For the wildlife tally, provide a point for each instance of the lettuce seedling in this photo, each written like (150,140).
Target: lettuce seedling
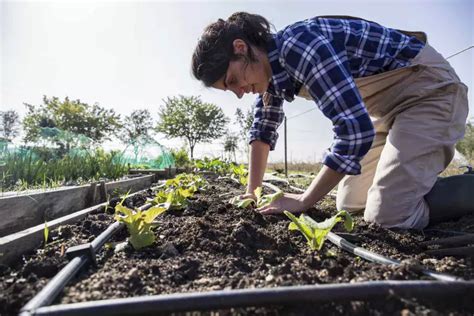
(262,200)
(174,199)
(139,223)
(45,232)
(240,173)
(314,232)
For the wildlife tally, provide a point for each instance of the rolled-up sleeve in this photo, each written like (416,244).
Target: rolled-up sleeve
(324,71)
(266,121)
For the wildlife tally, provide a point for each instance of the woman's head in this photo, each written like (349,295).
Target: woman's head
(232,54)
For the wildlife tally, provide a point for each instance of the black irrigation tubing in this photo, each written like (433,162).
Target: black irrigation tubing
(277,296)
(47,295)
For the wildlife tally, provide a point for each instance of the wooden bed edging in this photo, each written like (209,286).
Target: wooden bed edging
(15,245)
(23,211)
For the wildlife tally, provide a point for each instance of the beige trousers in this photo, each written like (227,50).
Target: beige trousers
(419,113)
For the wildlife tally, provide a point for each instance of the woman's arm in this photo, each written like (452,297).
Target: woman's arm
(257,164)
(324,182)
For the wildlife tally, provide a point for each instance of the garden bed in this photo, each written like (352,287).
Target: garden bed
(29,209)
(212,245)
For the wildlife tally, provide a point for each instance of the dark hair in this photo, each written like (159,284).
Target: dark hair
(215,48)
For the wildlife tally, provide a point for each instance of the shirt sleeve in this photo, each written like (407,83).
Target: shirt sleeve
(324,71)
(266,121)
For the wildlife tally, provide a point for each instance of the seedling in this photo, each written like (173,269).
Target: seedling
(314,232)
(240,173)
(174,199)
(262,200)
(46,233)
(139,223)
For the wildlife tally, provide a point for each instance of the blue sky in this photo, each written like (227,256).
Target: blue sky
(133,54)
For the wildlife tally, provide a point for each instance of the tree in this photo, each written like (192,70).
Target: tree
(245,122)
(71,118)
(231,145)
(190,118)
(466,145)
(136,129)
(9,125)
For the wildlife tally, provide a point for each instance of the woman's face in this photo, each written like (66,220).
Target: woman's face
(241,77)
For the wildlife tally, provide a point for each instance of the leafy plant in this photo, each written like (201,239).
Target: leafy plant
(240,173)
(191,119)
(262,200)
(173,199)
(46,232)
(315,232)
(178,190)
(139,223)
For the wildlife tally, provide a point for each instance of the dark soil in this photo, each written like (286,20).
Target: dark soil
(212,245)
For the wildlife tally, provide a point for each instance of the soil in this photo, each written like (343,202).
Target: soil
(212,245)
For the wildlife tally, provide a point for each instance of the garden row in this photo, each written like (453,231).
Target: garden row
(200,242)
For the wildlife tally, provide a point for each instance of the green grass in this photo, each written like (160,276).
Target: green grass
(29,168)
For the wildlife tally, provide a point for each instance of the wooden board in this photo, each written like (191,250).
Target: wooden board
(24,211)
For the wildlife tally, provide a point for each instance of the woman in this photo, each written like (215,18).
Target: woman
(396,105)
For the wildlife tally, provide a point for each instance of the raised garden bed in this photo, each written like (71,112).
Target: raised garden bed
(26,210)
(212,245)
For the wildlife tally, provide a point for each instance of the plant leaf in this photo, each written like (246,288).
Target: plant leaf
(46,232)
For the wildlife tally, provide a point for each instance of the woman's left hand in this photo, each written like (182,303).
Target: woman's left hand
(288,202)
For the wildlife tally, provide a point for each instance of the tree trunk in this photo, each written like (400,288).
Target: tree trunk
(191,147)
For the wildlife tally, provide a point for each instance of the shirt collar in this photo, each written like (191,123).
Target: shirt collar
(280,83)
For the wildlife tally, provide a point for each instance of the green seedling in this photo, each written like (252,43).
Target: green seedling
(262,200)
(46,233)
(174,199)
(240,173)
(314,232)
(139,223)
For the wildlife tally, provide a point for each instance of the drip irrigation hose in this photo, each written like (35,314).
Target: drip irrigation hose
(47,295)
(374,257)
(287,295)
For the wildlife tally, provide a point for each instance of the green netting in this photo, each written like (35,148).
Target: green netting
(61,157)
(148,153)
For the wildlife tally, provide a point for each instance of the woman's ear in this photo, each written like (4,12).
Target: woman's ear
(240,47)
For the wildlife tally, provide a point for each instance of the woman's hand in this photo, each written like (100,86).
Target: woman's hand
(288,202)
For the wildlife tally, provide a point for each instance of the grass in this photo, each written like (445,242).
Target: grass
(38,168)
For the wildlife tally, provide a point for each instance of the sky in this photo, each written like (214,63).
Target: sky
(129,55)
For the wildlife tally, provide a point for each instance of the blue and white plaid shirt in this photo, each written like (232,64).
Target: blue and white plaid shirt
(325,55)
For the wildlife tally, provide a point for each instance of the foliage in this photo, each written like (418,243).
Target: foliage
(466,145)
(231,145)
(240,173)
(139,223)
(71,116)
(245,121)
(136,129)
(46,232)
(181,157)
(33,167)
(220,167)
(262,200)
(177,190)
(191,119)
(9,121)
(215,165)
(314,232)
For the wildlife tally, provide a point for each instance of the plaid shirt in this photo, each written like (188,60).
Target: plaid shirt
(325,55)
